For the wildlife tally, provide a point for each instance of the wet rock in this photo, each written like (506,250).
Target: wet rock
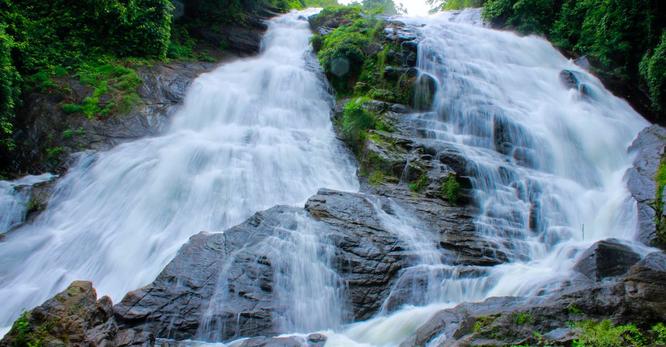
(636,297)
(74,317)
(607,258)
(46,135)
(648,148)
(424,92)
(571,81)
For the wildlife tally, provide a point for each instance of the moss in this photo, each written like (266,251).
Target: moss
(450,189)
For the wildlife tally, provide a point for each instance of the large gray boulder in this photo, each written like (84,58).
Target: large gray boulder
(607,258)
(648,148)
(227,280)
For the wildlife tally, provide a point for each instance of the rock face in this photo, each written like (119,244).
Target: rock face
(238,266)
(46,135)
(649,150)
(637,297)
(607,258)
(73,318)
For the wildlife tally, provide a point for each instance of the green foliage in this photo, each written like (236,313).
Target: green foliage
(659,333)
(482,323)
(420,184)
(23,337)
(605,334)
(69,134)
(386,7)
(523,318)
(527,16)
(376,178)
(53,153)
(614,34)
(653,71)
(321,3)
(114,89)
(574,310)
(450,189)
(460,4)
(342,53)
(9,91)
(356,121)
(65,33)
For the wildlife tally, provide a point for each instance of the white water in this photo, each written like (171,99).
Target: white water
(559,166)
(560,169)
(252,134)
(15,198)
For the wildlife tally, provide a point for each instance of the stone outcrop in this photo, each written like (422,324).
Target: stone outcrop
(42,123)
(607,258)
(648,148)
(367,256)
(637,298)
(74,317)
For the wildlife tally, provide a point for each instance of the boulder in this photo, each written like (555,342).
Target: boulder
(41,123)
(648,149)
(607,258)
(73,317)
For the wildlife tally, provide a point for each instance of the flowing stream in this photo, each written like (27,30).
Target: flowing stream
(251,134)
(547,165)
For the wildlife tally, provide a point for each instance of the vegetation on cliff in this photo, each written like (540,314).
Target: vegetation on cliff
(86,53)
(624,39)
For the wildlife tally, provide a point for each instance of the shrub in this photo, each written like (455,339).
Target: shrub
(114,89)
(523,318)
(605,334)
(376,178)
(356,121)
(420,184)
(450,189)
(653,71)
(659,332)
(9,91)
(460,4)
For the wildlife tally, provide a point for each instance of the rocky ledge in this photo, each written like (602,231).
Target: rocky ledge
(648,149)
(613,283)
(42,122)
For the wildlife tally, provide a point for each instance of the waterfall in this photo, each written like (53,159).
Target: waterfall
(546,163)
(251,134)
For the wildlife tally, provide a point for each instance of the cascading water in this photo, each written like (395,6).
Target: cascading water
(252,134)
(15,200)
(544,161)
(547,163)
